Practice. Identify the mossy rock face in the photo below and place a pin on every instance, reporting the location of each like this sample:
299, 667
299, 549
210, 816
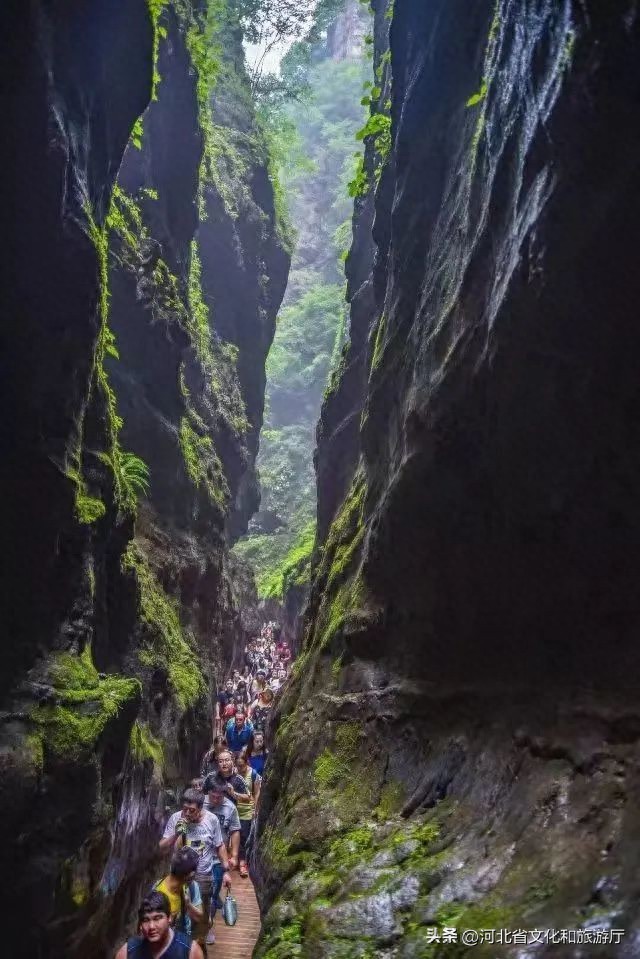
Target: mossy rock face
164, 644
82, 707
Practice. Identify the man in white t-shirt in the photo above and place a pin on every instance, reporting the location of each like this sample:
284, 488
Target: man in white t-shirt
199, 829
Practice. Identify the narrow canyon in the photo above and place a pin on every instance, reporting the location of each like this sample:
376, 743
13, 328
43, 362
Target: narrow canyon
324, 314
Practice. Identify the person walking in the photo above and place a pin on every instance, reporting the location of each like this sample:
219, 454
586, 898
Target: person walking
156, 937
209, 762
182, 891
238, 732
223, 699
227, 814
261, 709
233, 785
257, 753
195, 827
246, 808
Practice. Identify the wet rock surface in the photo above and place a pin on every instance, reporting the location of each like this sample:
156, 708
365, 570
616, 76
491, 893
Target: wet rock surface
128, 447
463, 708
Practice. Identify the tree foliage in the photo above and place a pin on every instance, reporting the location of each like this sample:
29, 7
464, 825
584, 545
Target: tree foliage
267, 23
312, 138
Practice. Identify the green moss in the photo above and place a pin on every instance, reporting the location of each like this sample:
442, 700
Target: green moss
343, 594
155, 11
378, 344
392, 798
89, 509
344, 591
569, 49
199, 309
130, 474
489, 55
424, 834
352, 848
228, 167
218, 358
84, 704
325, 875
194, 451
328, 769
287, 730
165, 645
144, 747
33, 747
347, 530
336, 668
275, 849
286, 943
484, 915
476, 98
293, 570
106, 341
283, 226
73, 671
334, 766
79, 893
125, 218
337, 372
338, 609
203, 464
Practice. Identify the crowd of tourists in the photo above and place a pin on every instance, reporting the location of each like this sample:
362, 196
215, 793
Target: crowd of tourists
210, 836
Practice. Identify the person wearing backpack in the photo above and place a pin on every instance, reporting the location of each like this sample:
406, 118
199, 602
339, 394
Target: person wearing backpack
157, 938
182, 891
246, 808
196, 828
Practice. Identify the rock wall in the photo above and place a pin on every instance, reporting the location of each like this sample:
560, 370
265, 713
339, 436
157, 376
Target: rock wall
128, 443
74, 79
460, 745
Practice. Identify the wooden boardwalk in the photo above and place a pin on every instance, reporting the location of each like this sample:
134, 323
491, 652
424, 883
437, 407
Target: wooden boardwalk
237, 942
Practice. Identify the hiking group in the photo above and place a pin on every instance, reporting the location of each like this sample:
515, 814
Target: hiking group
211, 834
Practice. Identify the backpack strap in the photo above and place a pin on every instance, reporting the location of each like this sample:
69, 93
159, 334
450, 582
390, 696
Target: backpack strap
183, 912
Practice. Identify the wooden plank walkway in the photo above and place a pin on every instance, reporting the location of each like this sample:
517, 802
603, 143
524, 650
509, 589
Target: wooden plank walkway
237, 942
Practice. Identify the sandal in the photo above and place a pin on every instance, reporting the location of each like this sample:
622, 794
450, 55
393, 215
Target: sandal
242, 869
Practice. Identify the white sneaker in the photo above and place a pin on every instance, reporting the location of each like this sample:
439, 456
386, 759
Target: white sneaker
211, 937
